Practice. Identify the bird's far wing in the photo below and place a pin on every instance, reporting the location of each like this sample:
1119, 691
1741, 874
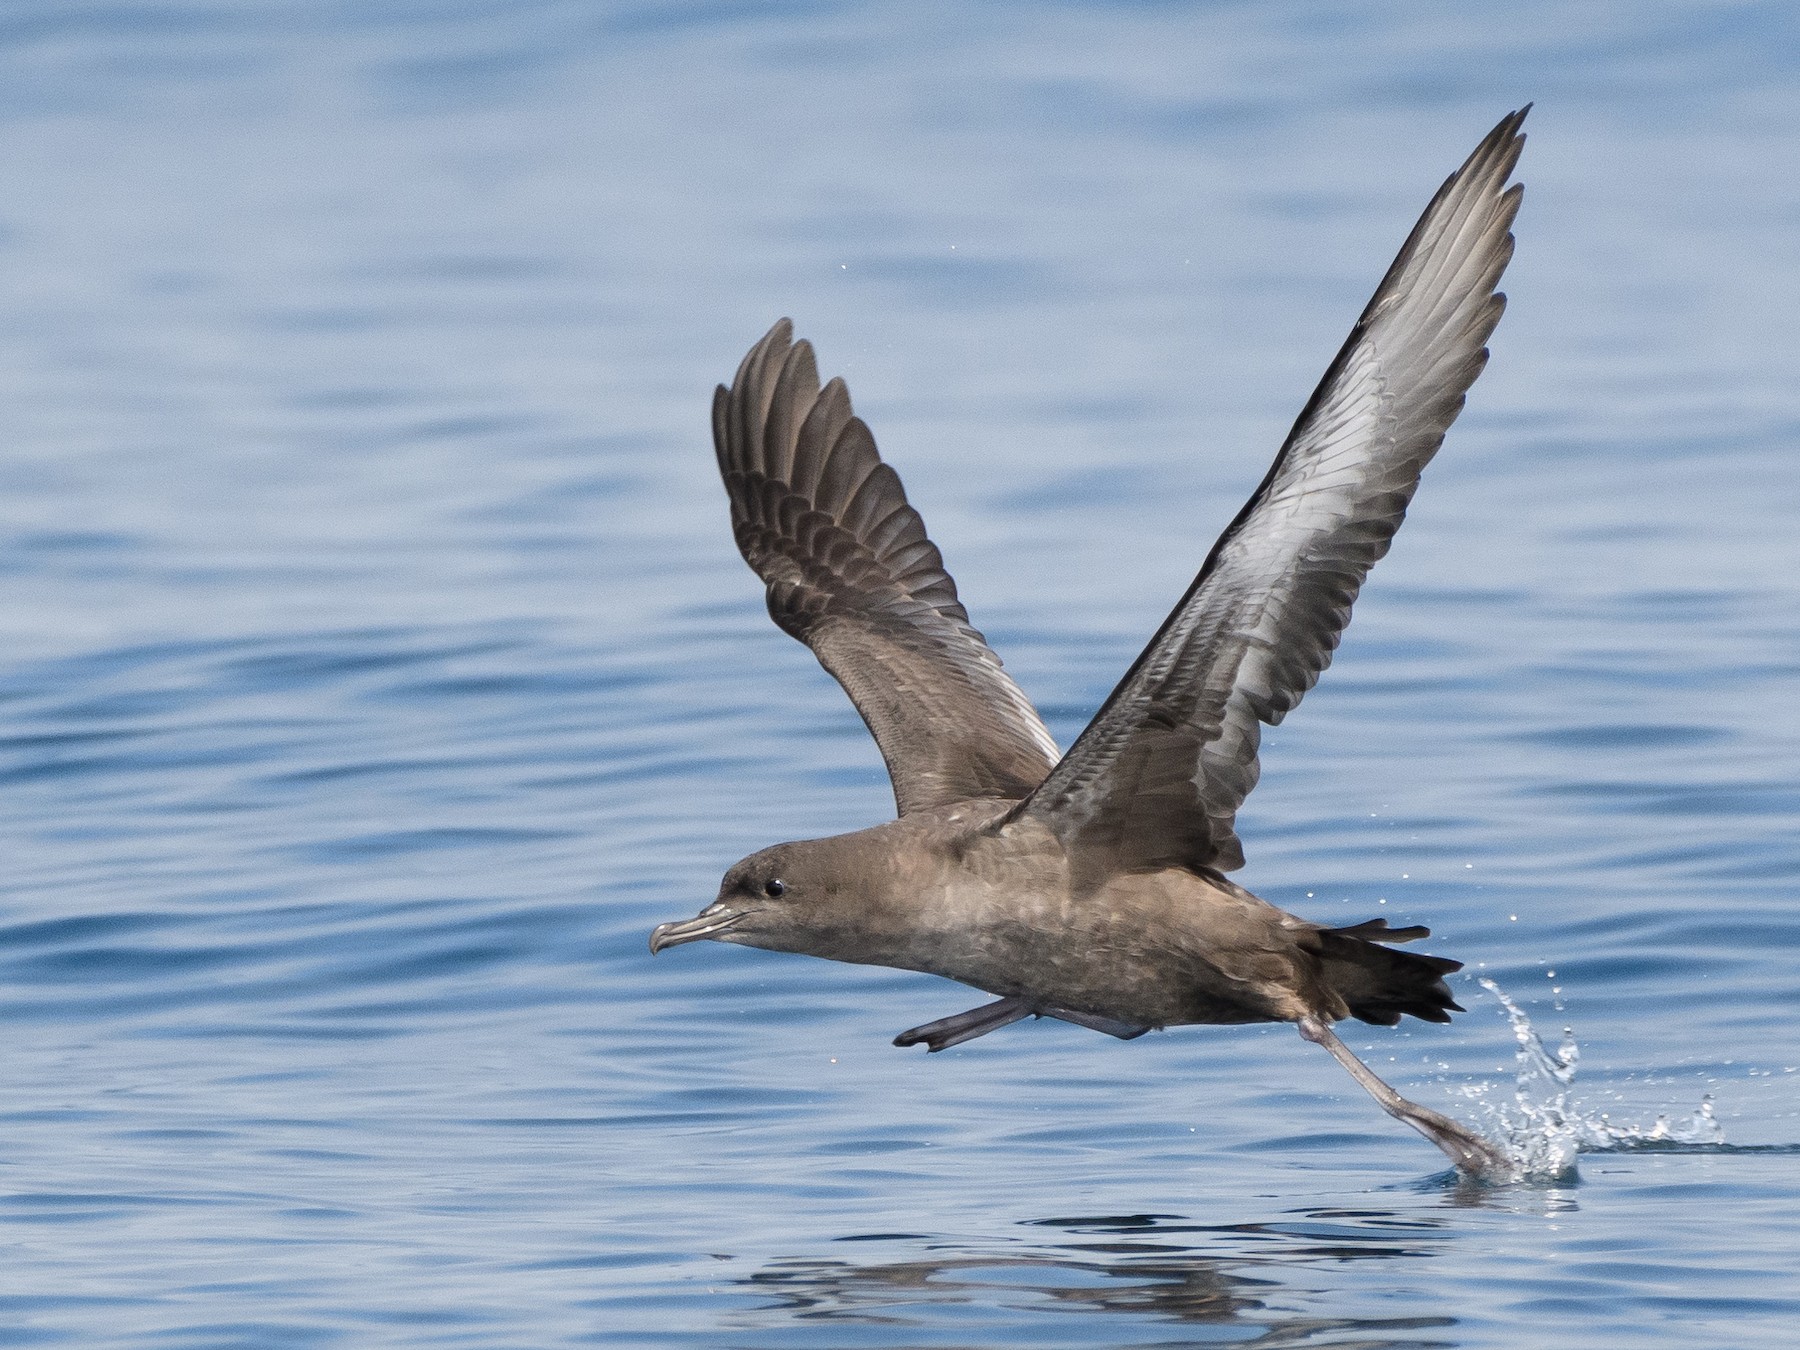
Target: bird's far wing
1157, 777
851, 573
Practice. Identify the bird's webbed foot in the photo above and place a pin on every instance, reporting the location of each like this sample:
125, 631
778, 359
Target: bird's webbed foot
966, 1026
1111, 1026
949, 1031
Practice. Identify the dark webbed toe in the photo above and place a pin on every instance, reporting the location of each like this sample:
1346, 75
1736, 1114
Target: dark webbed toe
965, 1026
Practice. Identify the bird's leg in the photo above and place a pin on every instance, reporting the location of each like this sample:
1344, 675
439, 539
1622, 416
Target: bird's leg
1467, 1150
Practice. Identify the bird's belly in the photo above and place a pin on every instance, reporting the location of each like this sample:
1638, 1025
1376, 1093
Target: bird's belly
1138, 959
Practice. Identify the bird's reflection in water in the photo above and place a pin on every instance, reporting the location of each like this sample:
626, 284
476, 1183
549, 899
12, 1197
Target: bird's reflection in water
1248, 1281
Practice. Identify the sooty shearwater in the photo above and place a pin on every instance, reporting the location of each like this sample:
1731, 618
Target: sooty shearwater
1091, 886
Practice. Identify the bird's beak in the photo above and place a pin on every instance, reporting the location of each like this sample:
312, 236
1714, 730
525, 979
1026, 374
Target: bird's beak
709, 922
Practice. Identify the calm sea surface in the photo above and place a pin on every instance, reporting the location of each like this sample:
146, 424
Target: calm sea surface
376, 669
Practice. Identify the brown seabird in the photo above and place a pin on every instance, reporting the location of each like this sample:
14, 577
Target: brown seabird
1091, 886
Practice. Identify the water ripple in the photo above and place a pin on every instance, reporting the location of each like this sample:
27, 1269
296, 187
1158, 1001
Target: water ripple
379, 670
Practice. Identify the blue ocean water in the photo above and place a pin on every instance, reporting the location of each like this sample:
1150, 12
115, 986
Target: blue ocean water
378, 669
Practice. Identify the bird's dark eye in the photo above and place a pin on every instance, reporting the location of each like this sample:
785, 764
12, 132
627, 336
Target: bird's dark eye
775, 888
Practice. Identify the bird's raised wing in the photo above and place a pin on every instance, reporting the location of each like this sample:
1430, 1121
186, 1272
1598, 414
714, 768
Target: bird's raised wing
1157, 777
852, 574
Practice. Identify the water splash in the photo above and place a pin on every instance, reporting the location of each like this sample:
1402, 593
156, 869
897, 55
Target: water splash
1543, 1127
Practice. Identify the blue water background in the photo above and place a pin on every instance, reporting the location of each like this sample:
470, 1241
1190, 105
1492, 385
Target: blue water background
378, 668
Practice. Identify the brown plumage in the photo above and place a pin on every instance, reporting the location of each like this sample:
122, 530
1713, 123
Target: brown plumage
1090, 887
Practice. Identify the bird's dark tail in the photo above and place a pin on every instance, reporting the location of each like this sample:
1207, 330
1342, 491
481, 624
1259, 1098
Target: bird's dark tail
1377, 984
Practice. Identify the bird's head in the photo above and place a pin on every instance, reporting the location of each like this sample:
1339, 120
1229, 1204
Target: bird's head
787, 898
